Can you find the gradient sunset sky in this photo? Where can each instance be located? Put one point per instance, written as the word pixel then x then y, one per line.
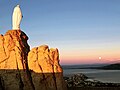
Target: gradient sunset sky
pixel 82 30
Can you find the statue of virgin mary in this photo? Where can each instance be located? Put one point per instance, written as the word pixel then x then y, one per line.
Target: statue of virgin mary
pixel 16 18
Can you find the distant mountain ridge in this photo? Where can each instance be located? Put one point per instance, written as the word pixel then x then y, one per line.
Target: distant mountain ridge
pixel 115 66
pixel 113 62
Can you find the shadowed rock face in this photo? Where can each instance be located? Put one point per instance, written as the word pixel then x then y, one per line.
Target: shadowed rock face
pixel 19 70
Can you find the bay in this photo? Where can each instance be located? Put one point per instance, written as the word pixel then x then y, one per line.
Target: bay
pixel 112 76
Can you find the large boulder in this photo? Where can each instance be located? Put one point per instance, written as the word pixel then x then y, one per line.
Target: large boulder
pixel 45 62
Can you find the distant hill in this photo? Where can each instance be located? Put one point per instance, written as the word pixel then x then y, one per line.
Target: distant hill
pixel 84 66
pixel 115 66
pixel 114 61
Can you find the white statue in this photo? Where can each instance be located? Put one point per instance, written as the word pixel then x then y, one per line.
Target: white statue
pixel 16 18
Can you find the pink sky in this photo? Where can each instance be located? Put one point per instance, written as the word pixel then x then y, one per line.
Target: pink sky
pixel 90 56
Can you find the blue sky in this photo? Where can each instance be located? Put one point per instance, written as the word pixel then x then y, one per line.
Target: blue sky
pixel 75 27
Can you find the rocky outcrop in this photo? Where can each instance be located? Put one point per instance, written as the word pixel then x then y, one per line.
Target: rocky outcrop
pixel 14 70
pixel 13 50
pixel 45 62
pixel 42 59
pixel 20 71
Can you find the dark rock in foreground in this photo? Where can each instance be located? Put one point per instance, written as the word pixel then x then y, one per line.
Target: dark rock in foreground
pixel 94 88
pixel 80 80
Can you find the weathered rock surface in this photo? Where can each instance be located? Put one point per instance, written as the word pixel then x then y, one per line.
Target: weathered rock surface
pixel 45 62
pixel 13 50
pixel 14 71
pixel 42 59
pixel 45 72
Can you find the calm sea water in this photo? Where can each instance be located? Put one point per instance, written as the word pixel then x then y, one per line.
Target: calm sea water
pixel 101 75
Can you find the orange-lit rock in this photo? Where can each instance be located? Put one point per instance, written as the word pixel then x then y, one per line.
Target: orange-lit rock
pixel 13 50
pixel 45 62
pixel 42 59
pixel 38 70
pixel 14 72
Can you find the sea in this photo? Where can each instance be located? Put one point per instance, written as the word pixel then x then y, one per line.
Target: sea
pixel 110 76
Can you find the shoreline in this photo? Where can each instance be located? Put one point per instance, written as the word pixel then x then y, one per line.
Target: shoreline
pixel 101 75
pixel 82 81
pixel 94 88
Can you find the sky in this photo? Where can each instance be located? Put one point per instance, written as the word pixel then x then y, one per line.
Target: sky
pixel 84 31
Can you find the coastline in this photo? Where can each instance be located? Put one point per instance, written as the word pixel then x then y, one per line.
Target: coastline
pixel 82 82
pixel 91 78
pixel 94 88
pixel 97 72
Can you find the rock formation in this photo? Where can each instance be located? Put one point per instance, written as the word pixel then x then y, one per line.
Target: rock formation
pixel 14 71
pixel 13 50
pixel 44 61
pixel 22 69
